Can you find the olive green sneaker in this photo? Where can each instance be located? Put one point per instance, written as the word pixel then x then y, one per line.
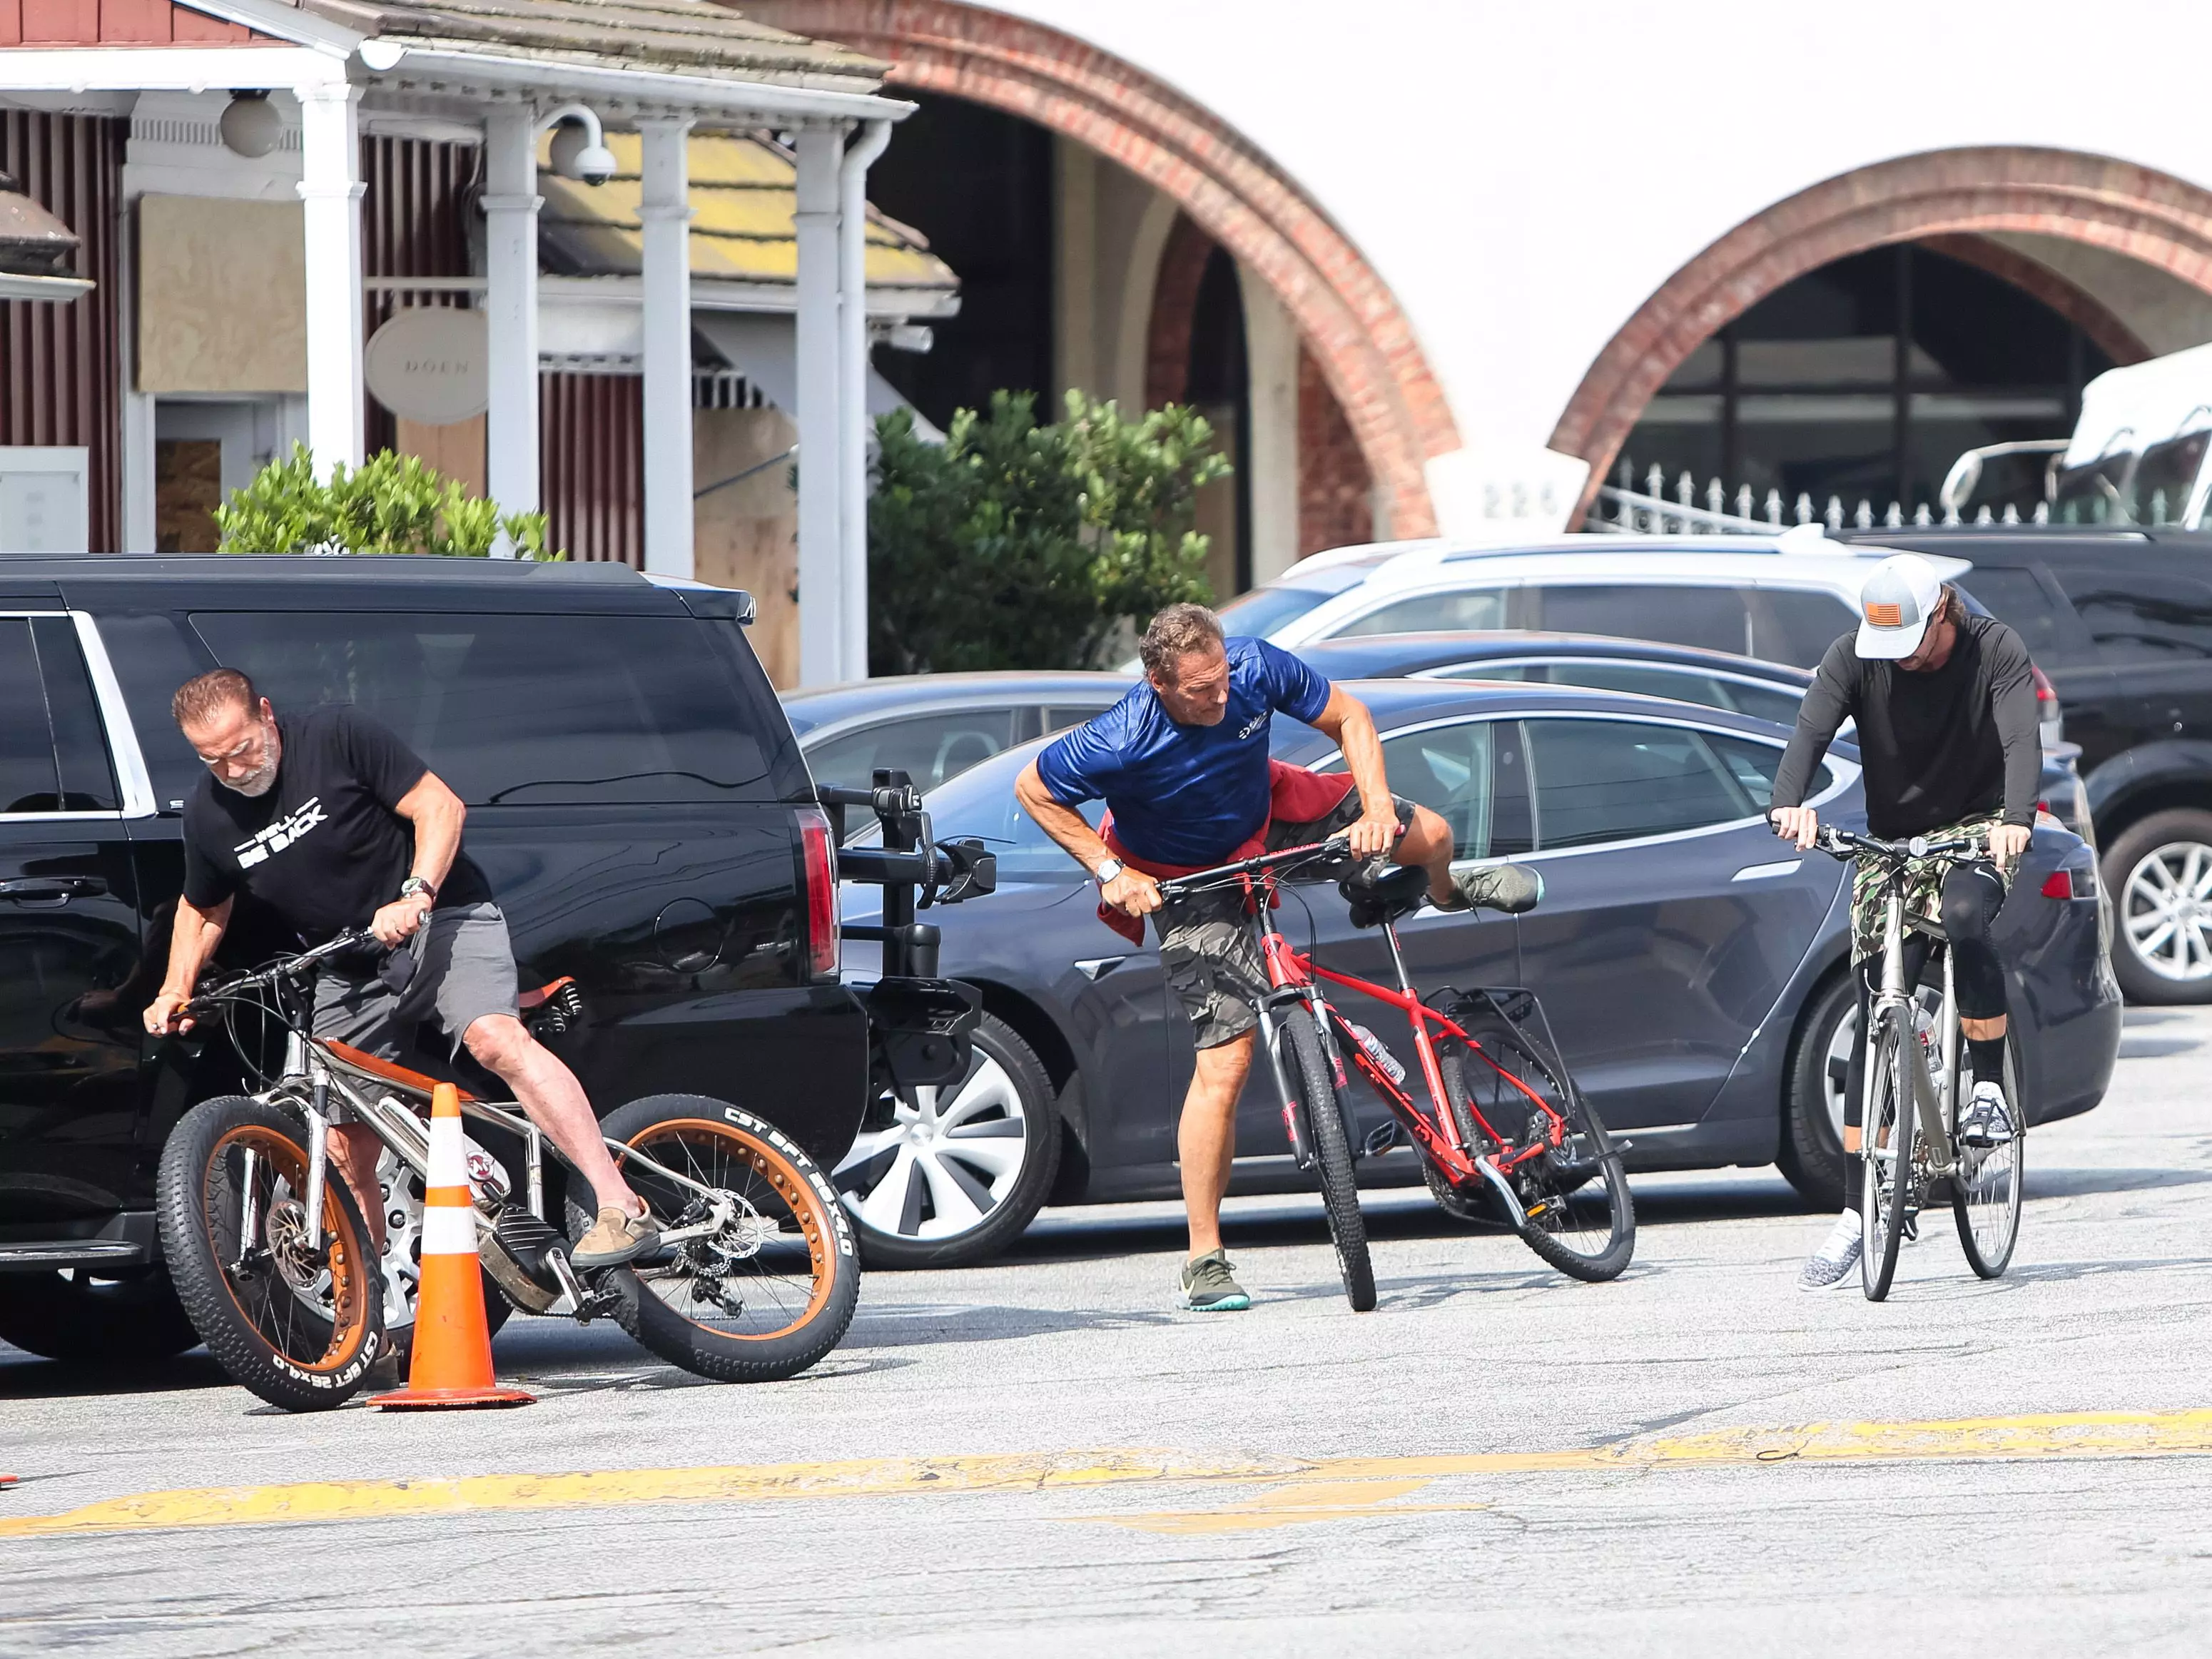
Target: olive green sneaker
pixel 1207 1286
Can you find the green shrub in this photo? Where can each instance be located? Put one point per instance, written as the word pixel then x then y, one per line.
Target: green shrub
pixel 1013 544
pixel 389 504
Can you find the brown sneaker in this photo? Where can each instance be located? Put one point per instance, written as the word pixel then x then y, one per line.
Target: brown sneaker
pixel 615 1237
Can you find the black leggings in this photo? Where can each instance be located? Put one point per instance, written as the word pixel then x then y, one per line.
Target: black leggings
pixel 1972 895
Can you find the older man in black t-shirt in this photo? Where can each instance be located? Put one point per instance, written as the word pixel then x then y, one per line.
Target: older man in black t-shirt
pixel 333 823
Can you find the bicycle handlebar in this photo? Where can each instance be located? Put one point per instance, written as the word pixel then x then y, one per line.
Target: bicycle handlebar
pixel 1336 844
pixel 209 1001
pixel 1843 844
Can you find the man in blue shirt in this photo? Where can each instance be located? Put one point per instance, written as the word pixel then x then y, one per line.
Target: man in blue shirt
pixel 1181 763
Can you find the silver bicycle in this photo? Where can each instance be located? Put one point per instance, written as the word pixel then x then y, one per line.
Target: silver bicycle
pixel 1908 1119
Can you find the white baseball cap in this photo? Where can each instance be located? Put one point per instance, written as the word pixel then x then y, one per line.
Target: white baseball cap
pixel 1899 596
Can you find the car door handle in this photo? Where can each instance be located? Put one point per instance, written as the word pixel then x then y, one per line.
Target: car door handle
pixel 1765 872
pixel 50 889
pixel 1097 968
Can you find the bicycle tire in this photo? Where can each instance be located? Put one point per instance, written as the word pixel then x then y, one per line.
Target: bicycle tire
pixel 724 1147
pixel 1986 1209
pixel 265 1327
pixel 1307 1072
pixel 1892 1121
pixel 1588 1236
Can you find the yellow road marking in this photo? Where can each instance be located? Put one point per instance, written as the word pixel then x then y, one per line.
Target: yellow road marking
pixel 1307 1486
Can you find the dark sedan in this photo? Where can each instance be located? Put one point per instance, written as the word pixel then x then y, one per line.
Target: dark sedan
pixel 1693 966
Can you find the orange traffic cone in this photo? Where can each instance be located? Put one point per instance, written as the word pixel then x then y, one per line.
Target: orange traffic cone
pixel 453 1346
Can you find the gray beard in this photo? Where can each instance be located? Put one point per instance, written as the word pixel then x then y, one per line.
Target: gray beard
pixel 257 785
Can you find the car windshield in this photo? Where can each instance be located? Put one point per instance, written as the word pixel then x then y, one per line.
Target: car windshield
pixel 1276 604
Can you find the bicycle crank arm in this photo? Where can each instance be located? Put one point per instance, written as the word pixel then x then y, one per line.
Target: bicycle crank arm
pixel 1504 1188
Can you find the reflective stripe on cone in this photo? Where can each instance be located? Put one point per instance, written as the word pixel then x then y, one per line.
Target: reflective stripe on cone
pixel 452 1344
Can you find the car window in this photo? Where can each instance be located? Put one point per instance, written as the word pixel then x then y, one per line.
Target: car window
pixel 1794 625
pixel 153 653
pixel 1753 764
pixel 2016 598
pixel 529 710
pixel 1262 612
pixel 29 782
pixel 87 779
pixel 1485 671
pixel 2137 618
pixel 930 749
pixel 1058 720
pixel 1643 679
pixel 1712 617
pixel 1447 768
pixel 1455 612
pixel 1598 780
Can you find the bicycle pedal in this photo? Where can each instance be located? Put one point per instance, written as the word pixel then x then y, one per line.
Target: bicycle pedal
pixel 1380 1140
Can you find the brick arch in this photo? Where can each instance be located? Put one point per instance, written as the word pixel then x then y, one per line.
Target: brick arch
pixel 2135 210
pixel 1346 315
pixel 1175 313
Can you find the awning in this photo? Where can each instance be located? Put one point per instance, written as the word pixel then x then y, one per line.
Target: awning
pixel 764 348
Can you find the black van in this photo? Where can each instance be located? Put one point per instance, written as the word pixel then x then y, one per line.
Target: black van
pixel 635 798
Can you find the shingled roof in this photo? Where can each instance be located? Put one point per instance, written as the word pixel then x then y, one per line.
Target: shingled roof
pixel 689 37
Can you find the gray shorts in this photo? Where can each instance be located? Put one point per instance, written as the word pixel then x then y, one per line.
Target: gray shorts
pixel 463 969
pixel 1211 962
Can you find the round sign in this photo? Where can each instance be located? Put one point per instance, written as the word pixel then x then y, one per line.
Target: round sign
pixel 426 364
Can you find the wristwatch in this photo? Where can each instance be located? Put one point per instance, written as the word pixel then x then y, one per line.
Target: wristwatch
pixel 1108 871
pixel 415 884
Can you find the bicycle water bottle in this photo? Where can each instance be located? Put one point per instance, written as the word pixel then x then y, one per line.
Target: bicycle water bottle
pixel 1390 1065
pixel 1931 1046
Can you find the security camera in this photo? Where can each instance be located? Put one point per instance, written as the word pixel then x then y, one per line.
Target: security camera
pixel 580 151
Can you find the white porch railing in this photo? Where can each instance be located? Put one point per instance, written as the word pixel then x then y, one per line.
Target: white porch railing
pixel 1622 509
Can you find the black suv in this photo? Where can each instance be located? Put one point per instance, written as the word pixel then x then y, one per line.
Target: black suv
pixel 636 797
pixel 2122 622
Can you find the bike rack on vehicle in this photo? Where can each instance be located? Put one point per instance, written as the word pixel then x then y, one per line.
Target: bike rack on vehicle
pixel 920 1025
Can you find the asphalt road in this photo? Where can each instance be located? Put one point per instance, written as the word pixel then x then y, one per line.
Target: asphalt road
pixel 1043 1456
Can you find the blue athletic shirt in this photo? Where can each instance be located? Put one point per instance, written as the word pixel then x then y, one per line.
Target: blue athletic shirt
pixel 1186 794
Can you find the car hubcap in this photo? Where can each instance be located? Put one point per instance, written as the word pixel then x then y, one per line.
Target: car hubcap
pixel 1836 1064
pixel 2165 910
pixel 944 1163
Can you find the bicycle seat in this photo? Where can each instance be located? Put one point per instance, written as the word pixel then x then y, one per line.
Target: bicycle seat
pixel 1379 896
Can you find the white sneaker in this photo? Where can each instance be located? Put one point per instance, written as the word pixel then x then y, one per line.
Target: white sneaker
pixel 1985 1122
pixel 1838 1253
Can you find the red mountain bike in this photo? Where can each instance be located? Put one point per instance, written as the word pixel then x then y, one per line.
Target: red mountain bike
pixel 1503 1127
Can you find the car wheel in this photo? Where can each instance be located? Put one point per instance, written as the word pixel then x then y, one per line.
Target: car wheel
pixel 2159 874
pixel 951 1175
pixel 83 1320
pixel 1812 1152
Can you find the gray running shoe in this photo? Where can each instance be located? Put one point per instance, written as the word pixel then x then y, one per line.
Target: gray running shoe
pixel 1207 1286
pixel 1828 1267
pixel 1985 1122
pixel 1510 888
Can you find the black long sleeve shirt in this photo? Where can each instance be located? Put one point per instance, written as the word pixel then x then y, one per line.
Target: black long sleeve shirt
pixel 1955 741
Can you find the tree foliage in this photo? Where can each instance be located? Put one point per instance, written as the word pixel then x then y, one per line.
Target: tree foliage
pixel 1016 544
pixel 389 504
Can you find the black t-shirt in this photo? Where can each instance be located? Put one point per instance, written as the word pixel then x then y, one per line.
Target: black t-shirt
pixel 324 848
pixel 1956 743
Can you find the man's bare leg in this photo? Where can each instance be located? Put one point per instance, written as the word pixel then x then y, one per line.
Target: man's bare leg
pixel 1205 1139
pixel 1428 843
pixel 555 1103
pixel 354 1149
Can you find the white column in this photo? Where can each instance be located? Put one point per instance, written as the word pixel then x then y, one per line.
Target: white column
pixel 665 213
pixel 1076 273
pixel 1271 357
pixel 329 186
pixel 821 584
pixel 510 205
pixel 853 423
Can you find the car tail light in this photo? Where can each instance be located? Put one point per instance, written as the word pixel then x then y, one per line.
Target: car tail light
pixel 2049 718
pixel 2070 884
pixel 2045 692
pixel 821 894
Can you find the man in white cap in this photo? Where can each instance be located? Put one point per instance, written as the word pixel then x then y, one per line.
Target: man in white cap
pixel 1945 702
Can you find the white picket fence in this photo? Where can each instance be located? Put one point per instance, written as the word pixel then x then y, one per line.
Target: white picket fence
pixel 1621 509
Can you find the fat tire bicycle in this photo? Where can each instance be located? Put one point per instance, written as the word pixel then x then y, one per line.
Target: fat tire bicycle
pixel 755 1278
pixel 1503 1130
pixel 1908 1135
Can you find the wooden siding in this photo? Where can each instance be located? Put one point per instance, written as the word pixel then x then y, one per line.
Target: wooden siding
pixel 592 460
pixel 60 371
pixel 414 223
pixel 117 23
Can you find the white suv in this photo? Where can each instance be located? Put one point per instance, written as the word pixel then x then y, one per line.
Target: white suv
pixel 1783 598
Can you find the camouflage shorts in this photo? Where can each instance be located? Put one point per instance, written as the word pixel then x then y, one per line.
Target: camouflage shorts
pixel 1923 887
